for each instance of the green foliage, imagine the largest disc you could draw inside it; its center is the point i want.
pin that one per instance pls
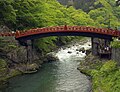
(46, 44)
(3, 64)
(106, 4)
(103, 17)
(14, 73)
(3, 68)
(12, 46)
(53, 14)
(115, 43)
(26, 14)
(108, 67)
(7, 13)
(106, 78)
(107, 15)
(85, 5)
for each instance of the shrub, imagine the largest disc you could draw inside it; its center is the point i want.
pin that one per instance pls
(108, 66)
(115, 43)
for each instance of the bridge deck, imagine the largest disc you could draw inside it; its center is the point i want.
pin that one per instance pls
(58, 30)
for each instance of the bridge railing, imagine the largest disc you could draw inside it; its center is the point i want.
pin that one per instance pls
(4, 34)
(65, 28)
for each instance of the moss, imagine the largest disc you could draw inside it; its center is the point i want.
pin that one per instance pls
(6, 73)
(3, 68)
(3, 64)
(12, 46)
(14, 72)
(11, 74)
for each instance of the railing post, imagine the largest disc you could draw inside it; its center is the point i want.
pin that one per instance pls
(65, 27)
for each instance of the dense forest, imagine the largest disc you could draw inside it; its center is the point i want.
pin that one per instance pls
(25, 14)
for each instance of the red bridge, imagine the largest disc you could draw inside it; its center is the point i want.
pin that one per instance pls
(25, 37)
(104, 33)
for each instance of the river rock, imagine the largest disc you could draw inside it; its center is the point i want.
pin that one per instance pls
(51, 57)
(77, 53)
(89, 44)
(28, 68)
(33, 66)
(70, 52)
(82, 49)
(88, 51)
(64, 48)
(68, 46)
(77, 44)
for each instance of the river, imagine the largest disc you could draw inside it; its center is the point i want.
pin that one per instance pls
(58, 76)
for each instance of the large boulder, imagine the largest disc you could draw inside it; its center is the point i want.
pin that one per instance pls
(50, 57)
(28, 68)
(33, 66)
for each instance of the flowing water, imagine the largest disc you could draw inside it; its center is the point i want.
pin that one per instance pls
(59, 76)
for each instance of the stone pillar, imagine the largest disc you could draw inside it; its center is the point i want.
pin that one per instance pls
(29, 49)
(101, 47)
(94, 46)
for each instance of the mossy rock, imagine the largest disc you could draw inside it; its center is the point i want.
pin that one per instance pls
(3, 63)
(14, 72)
(33, 66)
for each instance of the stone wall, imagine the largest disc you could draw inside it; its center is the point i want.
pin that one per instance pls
(11, 50)
(94, 46)
(99, 45)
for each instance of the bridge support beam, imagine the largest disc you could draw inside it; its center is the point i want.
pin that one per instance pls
(101, 47)
(29, 49)
(94, 46)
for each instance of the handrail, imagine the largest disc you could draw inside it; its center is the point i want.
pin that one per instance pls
(65, 28)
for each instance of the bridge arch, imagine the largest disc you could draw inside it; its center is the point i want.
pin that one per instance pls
(24, 36)
(103, 33)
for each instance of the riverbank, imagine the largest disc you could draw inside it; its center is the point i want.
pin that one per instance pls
(14, 62)
(58, 76)
(105, 74)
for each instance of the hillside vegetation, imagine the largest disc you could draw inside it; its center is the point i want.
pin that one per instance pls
(27, 14)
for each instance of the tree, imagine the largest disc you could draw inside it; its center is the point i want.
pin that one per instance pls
(7, 13)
